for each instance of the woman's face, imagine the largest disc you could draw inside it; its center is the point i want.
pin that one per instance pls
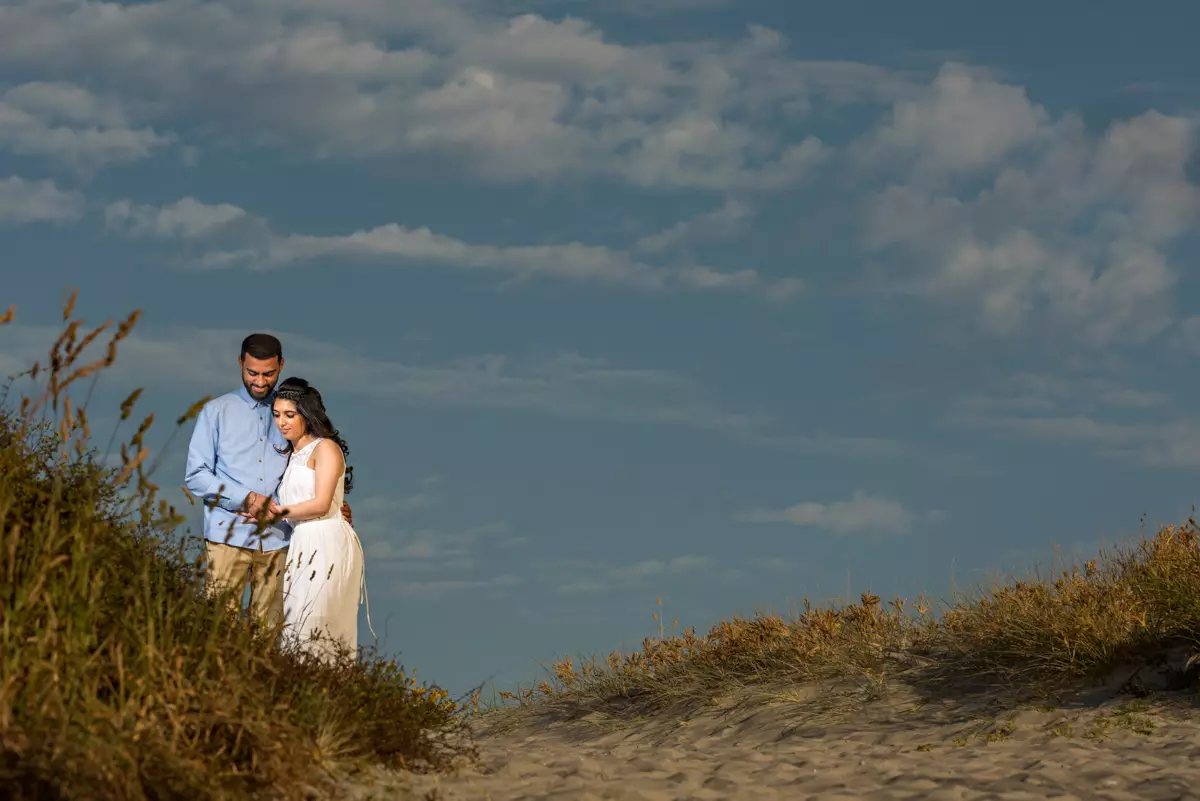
(288, 419)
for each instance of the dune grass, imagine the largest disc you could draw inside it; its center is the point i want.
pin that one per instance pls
(1033, 637)
(119, 677)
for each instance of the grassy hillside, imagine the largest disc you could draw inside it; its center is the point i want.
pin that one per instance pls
(1129, 609)
(118, 677)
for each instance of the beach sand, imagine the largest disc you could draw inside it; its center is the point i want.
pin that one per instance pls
(1119, 747)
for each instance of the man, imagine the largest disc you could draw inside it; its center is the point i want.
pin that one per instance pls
(234, 468)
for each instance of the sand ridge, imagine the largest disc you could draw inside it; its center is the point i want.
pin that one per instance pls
(1122, 748)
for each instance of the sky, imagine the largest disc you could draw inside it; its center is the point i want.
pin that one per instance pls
(723, 304)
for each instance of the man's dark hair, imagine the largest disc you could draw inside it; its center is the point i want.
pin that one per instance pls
(261, 346)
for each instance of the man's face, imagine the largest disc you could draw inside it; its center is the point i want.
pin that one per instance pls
(260, 375)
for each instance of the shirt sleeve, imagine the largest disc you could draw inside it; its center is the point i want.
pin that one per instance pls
(201, 478)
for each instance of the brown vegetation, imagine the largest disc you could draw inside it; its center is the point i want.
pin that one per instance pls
(1033, 637)
(119, 678)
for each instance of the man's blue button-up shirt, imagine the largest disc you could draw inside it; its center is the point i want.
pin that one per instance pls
(232, 453)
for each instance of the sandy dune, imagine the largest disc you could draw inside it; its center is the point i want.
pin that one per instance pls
(1121, 748)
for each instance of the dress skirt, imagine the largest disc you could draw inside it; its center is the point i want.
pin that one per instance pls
(323, 586)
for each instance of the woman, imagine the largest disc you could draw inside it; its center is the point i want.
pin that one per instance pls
(324, 581)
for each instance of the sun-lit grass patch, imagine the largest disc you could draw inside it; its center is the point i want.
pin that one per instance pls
(1035, 634)
(119, 678)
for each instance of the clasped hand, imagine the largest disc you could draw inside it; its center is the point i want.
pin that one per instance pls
(255, 504)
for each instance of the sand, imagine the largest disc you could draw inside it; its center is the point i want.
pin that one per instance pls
(1117, 748)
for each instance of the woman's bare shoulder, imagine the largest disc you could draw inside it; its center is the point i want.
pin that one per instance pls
(327, 451)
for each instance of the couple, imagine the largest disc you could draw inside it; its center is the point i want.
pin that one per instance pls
(271, 470)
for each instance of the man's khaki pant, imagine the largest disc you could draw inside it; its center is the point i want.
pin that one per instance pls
(230, 566)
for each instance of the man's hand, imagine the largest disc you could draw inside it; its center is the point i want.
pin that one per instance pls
(254, 505)
(347, 514)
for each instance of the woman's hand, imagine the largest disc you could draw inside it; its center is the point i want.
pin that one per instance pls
(276, 510)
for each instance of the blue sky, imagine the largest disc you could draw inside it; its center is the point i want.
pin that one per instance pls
(720, 303)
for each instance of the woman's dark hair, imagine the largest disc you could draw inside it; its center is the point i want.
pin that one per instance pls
(316, 420)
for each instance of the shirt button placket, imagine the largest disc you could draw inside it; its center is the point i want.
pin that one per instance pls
(262, 423)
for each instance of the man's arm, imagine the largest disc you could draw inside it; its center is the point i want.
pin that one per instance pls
(201, 478)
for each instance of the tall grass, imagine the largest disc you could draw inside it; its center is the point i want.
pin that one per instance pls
(119, 677)
(1126, 608)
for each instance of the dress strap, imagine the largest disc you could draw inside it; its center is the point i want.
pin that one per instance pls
(362, 587)
(303, 454)
(367, 601)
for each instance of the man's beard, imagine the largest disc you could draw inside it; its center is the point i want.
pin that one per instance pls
(254, 393)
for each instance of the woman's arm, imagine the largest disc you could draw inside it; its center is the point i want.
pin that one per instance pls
(328, 463)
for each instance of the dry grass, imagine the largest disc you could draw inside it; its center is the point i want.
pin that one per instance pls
(1031, 637)
(118, 677)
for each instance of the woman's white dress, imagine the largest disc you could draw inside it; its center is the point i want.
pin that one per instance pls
(323, 582)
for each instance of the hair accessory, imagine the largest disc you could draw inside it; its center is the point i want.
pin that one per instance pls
(293, 389)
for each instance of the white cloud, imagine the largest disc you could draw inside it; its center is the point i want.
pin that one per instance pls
(728, 221)
(862, 514)
(705, 152)
(510, 98)
(963, 123)
(397, 242)
(1071, 231)
(68, 124)
(186, 218)
(23, 201)
(256, 247)
(1144, 161)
